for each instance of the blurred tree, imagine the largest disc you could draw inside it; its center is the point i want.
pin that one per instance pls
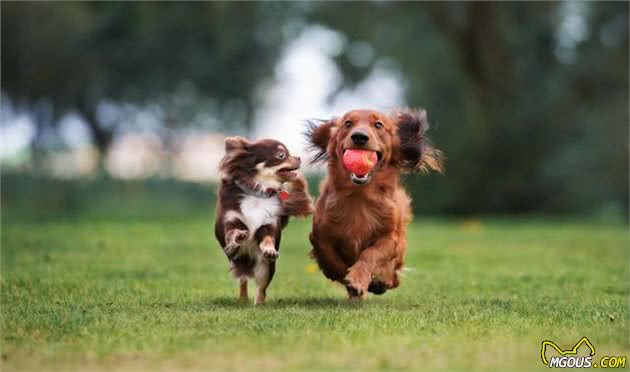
(530, 100)
(59, 57)
(516, 121)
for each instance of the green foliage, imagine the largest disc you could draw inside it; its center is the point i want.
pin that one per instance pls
(522, 130)
(142, 293)
(528, 122)
(33, 198)
(75, 55)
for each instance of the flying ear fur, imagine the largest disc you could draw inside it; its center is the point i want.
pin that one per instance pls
(432, 159)
(236, 142)
(318, 134)
(416, 154)
(235, 152)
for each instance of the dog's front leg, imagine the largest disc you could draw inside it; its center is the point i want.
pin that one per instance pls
(235, 233)
(266, 242)
(327, 257)
(299, 202)
(375, 262)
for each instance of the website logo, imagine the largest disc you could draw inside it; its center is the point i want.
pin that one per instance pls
(581, 355)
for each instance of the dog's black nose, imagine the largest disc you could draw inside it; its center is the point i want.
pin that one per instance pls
(360, 137)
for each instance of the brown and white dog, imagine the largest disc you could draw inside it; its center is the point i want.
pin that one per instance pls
(260, 188)
(359, 224)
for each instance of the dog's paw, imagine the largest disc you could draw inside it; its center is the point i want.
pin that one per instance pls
(234, 239)
(238, 236)
(357, 281)
(231, 250)
(268, 249)
(377, 287)
(270, 254)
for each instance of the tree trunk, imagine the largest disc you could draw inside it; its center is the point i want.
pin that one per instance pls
(101, 137)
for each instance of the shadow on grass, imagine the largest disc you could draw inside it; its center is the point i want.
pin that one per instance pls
(287, 303)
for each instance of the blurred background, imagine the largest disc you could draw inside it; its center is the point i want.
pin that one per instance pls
(119, 108)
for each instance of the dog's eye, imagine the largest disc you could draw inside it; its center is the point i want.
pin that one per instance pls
(348, 124)
(281, 155)
(378, 125)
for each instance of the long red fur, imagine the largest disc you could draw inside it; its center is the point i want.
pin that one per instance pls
(359, 231)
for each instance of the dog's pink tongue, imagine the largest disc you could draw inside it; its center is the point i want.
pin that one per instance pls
(359, 162)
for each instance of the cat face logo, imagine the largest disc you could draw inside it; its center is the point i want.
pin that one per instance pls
(569, 358)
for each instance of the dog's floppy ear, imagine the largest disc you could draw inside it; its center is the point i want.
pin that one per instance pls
(234, 143)
(318, 134)
(415, 152)
(236, 150)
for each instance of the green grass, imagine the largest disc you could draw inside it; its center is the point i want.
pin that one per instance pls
(155, 294)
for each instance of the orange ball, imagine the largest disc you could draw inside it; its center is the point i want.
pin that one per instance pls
(359, 162)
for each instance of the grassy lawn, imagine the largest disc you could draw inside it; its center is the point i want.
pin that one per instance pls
(155, 294)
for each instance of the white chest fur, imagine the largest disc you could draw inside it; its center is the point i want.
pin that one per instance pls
(257, 212)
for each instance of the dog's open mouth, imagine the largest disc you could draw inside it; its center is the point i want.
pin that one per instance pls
(288, 172)
(361, 173)
(360, 180)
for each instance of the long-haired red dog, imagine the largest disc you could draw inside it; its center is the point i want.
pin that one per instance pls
(360, 220)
